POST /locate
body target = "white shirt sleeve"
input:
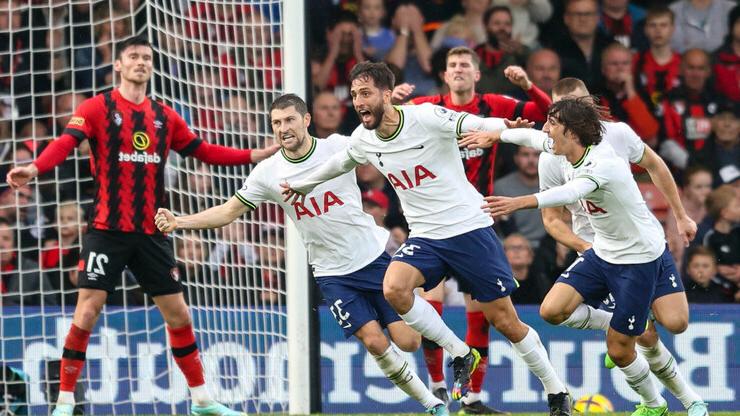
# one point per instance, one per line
(453, 124)
(533, 138)
(253, 192)
(566, 194)
(627, 143)
(355, 149)
(339, 164)
(549, 172)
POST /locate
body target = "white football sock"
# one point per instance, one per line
(398, 372)
(586, 317)
(200, 395)
(66, 397)
(663, 365)
(426, 321)
(534, 354)
(638, 377)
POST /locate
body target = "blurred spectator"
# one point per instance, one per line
(581, 47)
(722, 150)
(199, 280)
(377, 39)
(543, 68)
(533, 284)
(620, 96)
(723, 205)
(232, 252)
(60, 255)
(272, 262)
(697, 185)
(327, 114)
(472, 17)
(624, 22)
(700, 24)
(703, 285)
(19, 207)
(15, 55)
(526, 14)
(523, 181)
(21, 283)
(370, 179)
(687, 109)
(344, 50)
(376, 204)
(727, 60)
(456, 33)
(498, 52)
(411, 53)
(657, 68)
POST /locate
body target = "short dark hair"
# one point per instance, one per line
(567, 85)
(461, 51)
(139, 40)
(659, 10)
(495, 9)
(379, 72)
(581, 117)
(701, 251)
(290, 100)
(693, 170)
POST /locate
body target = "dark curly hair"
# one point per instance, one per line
(379, 72)
(581, 117)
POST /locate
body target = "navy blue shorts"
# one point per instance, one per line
(668, 282)
(632, 287)
(357, 298)
(476, 258)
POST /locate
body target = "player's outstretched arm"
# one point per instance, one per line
(338, 164)
(215, 154)
(53, 155)
(401, 92)
(558, 196)
(214, 217)
(481, 139)
(663, 180)
(552, 218)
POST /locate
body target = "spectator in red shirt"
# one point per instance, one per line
(499, 51)
(657, 68)
(727, 60)
(344, 43)
(687, 110)
(620, 95)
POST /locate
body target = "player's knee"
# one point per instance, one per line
(552, 314)
(375, 342)
(395, 292)
(408, 343)
(648, 338)
(88, 312)
(676, 324)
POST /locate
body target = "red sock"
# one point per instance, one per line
(433, 353)
(73, 357)
(187, 357)
(477, 337)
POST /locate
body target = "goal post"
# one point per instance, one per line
(219, 64)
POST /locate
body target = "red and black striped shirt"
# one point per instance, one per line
(479, 163)
(129, 144)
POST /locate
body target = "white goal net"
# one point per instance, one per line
(219, 64)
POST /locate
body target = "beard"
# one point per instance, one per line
(377, 113)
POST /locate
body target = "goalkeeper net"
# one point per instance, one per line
(219, 64)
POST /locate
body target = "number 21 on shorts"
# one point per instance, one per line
(96, 263)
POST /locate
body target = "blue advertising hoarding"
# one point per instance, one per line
(247, 368)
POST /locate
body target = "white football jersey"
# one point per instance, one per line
(339, 236)
(626, 232)
(421, 160)
(626, 144)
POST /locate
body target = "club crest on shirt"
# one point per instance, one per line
(440, 112)
(141, 140)
(117, 118)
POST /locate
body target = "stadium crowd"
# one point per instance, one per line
(669, 70)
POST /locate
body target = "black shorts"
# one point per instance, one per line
(151, 258)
